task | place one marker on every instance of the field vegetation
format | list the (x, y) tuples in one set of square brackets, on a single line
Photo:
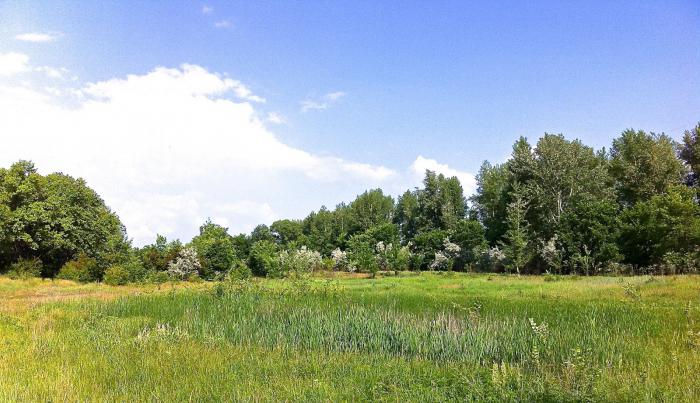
[(427, 337)]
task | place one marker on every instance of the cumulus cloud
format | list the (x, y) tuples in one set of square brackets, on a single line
[(36, 37), (324, 103), (276, 118), (421, 164), (171, 147), (13, 63), (207, 9)]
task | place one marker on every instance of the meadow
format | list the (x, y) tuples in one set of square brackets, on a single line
[(417, 337)]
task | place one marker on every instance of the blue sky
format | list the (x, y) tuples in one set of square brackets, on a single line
[(383, 82)]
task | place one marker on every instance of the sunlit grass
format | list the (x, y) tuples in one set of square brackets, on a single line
[(417, 337)]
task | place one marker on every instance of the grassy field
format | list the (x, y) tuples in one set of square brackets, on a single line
[(426, 337)]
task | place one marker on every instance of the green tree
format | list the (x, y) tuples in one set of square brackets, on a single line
[(288, 233), (469, 236), (516, 244), (690, 153), (54, 218), (406, 215), (668, 222), (370, 209), (644, 165), (263, 258), (563, 170), (491, 200), (215, 249), (361, 253), (441, 202), (261, 233), (425, 245), (155, 257), (590, 229)]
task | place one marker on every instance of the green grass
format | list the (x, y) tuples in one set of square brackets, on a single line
[(427, 337)]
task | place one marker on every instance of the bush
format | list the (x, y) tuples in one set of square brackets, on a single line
[(186, 265), (83, 269), (25, 268), (262, 259), (298, 263), (239, 271), (117, 275), (156, 277)]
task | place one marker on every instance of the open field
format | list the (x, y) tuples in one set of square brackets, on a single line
[(411, 337)]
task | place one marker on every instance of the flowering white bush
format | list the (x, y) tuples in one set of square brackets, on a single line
[(384, 252), (441, 261), (186, 264), (552, 254), (299, 262), (341, 261), (451, 249), (444, 259)]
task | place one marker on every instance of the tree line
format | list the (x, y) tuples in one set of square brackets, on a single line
[(557, 206)]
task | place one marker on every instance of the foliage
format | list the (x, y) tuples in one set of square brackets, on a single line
[(215, 249), (288, 232), (186, 265), (117, 275), (370, 209), (591, 228), (54, 218), (297, 263), (644, 165), (155, 257), (668, 222), (427, 244), (361, 252), (82, 269), (25, 268), (491, 200), (445, 258), (239, 271), (553, 254), (468, 235), (263, 258), (516, 245), (341, 261), (690, 154), (441, 202)]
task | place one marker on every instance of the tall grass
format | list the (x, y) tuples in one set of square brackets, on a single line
[(419, 338)]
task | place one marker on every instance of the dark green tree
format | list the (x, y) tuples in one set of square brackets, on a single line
[(690, 153), (215, 249), (644, 165)]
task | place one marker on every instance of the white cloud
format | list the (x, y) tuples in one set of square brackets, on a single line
[(324, 103), (207, 9), (334, 96), (421, 164), (13, 63), (223, 24), (168, 148), (37, 37), (276, 118), (53, 72)]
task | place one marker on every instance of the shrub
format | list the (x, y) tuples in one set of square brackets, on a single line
[(156, 277), (341, 262), (186, 265), (83, 269), (239, 271), (263, 258), (298, 263), (117, 275), (25, 268)]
